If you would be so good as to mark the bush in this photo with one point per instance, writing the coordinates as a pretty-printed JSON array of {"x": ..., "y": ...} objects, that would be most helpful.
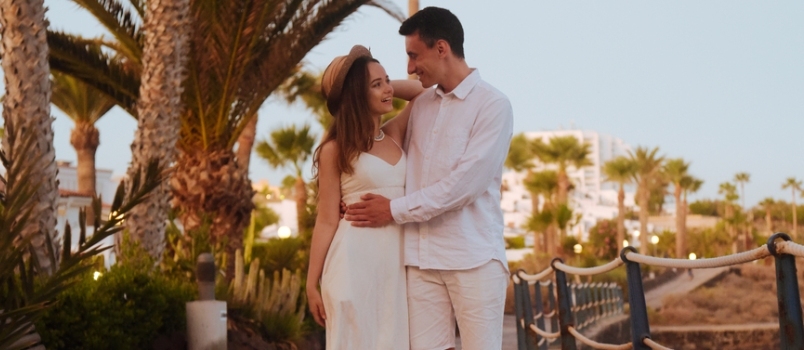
[
  {"x": 278, "y": 254},
  {"x": 126, "y": 308},
  {"x": 515, "y": 242},
  {"x": 603, "y": 240}
]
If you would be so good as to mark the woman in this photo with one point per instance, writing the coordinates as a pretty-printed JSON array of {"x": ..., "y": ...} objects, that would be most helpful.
[{"x": 362, "y": 302}]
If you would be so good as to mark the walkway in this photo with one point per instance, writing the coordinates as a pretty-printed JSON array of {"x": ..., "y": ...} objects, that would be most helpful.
[{"x": 682, "y": 284}]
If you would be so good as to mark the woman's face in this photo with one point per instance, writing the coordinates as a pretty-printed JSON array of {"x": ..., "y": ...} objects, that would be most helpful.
[{"x": 380, "y": 91}]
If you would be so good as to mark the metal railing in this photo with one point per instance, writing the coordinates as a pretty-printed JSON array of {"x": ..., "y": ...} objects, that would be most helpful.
[{"x": 580, "y": 305}]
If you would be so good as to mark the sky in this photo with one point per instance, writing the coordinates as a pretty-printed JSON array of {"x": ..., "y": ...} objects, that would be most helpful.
[{"x": 718, "y": 83}]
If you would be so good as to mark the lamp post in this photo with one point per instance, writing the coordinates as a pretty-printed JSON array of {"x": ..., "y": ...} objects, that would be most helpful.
[
  {"x": 654, "y": 240},
  {"x": 577, "y": 248},
  {"x": 283, "y": 232}
]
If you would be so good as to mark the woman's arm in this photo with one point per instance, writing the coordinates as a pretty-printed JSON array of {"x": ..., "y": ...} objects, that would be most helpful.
[
  {"x": 398, "y": 126},
  {"x": 407, "y": 89},
  {"x": 326, "y": 223}
]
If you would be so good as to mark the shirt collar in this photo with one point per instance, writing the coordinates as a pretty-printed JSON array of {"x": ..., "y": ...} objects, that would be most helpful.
[{"x": 463, "y": 89}]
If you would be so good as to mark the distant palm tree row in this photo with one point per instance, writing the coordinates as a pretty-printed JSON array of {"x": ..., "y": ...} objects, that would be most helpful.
[{"x": 545, "y": 166}]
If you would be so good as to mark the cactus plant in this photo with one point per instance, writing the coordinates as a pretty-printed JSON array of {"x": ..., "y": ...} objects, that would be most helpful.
[{"x": 276, "y": 303}]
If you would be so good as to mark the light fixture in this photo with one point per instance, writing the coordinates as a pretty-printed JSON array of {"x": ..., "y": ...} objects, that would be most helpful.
[
  {"x": 654, "y": 239},
  {"x": 625, "y": 243},
  {"x": 693, "y": 256},
  {"x": 283, "y": 232},
  {"x": 577, "y": 248}
]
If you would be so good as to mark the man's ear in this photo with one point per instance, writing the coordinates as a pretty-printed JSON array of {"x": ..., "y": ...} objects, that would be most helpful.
[{"x": 443, "y": 48}]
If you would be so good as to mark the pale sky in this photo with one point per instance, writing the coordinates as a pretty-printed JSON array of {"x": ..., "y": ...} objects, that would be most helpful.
[{"x": 718, "y": 83}]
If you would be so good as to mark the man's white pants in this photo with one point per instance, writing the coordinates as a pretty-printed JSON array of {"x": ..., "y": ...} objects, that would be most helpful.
[{"x": 474, "y": 297}]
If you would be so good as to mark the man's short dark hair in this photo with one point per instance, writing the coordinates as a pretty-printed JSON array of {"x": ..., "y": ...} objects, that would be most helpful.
[{"x": 433, "y": 24}]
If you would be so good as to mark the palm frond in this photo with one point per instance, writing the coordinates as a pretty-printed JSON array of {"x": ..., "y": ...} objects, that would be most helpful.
[
  {"x": 121, "y": 23},
  {"x": 79, "y": 101},
  {"x": 241, "y": 52},
  {"x": 390, "y": 8},
  {"x": 85, "y": 61}
]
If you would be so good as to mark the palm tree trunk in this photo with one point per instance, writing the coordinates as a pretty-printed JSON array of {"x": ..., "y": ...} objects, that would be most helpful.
[
  {"x": 245, "y": 143},
  {"x": 210, "y": 187},
  {"x": 537, "y": 239},
  {"x": 681, "y": 227},
  {"x": 730, "y": 228},
  {"x": 26, "y": 112},
  {"x": 644, "y": 199},
  {"x": 85, "y": 138},
  {"x": 300, "y": 190},
  {"x": 563, "y": 187},
  {"x": 620, "y": 216},
  {"x": 550, "y": 240},
  {"x": 165, "y": 50},
  {"x": 795, "y": 219}
]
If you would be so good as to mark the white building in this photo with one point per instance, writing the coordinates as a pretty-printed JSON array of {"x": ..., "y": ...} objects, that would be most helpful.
[
  {"x": 593, "y": 198},
  {"x": 71, "y": 201}
]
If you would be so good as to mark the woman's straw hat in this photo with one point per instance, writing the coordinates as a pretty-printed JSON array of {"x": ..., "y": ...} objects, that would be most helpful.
[{"x": 335, "y": 74}]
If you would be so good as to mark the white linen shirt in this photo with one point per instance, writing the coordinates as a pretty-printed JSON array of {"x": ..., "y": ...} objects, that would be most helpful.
[{"x": 456, "y": 145}]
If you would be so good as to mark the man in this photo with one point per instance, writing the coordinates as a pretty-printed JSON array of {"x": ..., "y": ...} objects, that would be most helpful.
[{"x": 458, "y": 138}]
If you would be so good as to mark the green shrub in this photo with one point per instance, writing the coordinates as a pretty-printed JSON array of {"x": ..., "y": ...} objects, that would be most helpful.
[
  {"x": 126, "y": 308},
  {"x": 515, "y": 242},
  {"x": 278, "y": 254}
]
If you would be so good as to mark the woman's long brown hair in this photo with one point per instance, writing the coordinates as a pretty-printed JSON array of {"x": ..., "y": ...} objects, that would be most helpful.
[{"x": 352, "y": 127}]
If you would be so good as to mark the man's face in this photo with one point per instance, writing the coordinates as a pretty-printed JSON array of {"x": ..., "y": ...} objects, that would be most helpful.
[{"x": 422, "y": 61}]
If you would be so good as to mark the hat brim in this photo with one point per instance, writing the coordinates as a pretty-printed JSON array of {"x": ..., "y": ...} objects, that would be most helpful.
[{"x": 335, "y": 75}]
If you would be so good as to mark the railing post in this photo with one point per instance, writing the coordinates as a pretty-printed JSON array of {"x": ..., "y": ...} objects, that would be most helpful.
[
  {"x": 530, "y": 343},
  {"x": 540, "y": 311},
  {"x": 564, "y": 308},
  {"x": 791, "y": 327},
  {"x": 640, "y": 328},
  {"x": 519, "y": 311},
  {"x": 551, "y": 299}
]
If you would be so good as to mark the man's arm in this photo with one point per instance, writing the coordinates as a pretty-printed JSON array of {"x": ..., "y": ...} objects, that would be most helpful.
[{"x": 487, "y": 147}]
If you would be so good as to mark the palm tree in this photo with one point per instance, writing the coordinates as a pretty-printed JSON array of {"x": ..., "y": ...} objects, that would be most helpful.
[
  {"x": 84, "y": 105},
  {"x": 729, "y": 192},
  {"x": 620, "y": 170},
  {"x": 741, "y": 179},
  {"x": 26, "y": 114},
  {"x": 767, "y": 205},
  {"x": 240, "y": 51},
  {"x": 564, "y": 152},
  {"x": 675, "y": 171},
  {"x": 794, "y": 186},
  {"x": 159, "y": 107},
  {"x": 520, "y": 159},
  {"x": 544, "y": 184},
  {"x": 648, "y": 165},
  {"x": 291, "y": 147}
]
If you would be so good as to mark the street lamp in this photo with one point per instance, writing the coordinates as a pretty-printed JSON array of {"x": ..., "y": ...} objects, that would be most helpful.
[
  {"x": 578, "y": 248},
  {"x": 655, "y": 240},
  {"x": 283, "y": 232},
  {"x": 693, "y": 256},
  {"x": 625, "y": 243}
]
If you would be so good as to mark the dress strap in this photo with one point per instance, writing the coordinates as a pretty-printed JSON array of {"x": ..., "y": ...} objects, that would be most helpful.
[{"x": 397, "y": 145}]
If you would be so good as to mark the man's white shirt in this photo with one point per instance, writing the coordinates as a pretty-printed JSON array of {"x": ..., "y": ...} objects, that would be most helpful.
[{"x": 456, "y": 145}]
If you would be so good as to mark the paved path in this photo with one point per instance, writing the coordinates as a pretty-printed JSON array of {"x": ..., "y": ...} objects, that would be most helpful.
[{"x": 682, "y": 284}]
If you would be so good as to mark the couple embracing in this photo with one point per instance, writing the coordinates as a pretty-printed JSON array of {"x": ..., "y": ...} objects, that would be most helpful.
[{"x": 420, "y": 245}]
